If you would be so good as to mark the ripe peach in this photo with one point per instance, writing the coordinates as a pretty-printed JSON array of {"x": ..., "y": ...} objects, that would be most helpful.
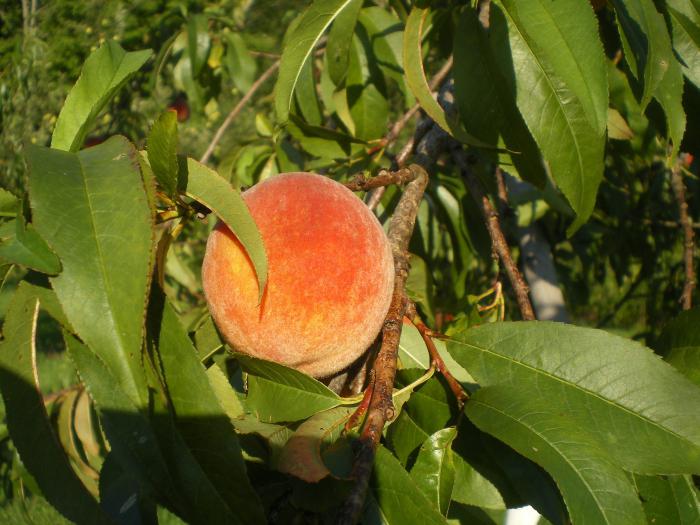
[{"x": 330, "y": 280}]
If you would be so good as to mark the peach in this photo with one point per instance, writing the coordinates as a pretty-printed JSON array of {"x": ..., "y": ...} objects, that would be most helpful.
[{"x": 330, "y": 280}]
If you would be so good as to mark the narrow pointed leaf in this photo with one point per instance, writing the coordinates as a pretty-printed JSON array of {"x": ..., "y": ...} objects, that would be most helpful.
[
  {"x": 217, "y": 194},
  {"x": 369, "y": 108},
  {"x": 434, "y": 469},
  {"x": 105, "y": 71},
  {"x": 241, "y": 65},
  {"x": 278, "y": 393},
  {"x": 162, "y": 151},
  {"x": 669, "y": 500},
  {"x": 595, "y": 489},
  {"x": 27, "y": 420},
  {"x": 398, "y": 497},
  {"x": 204, "y": 425},
  {"x": 561, "y": 92},
  {"x": 298, "y": 46},
  {"x": 21, "y": 244},
  {"x": 685, "y": 25},
  {"x": 418, "y": 83},
  {"x": 94, "y": 210},
  {"x": 485, "y": 94},
  {"x": 680, "y": 344},
  {"x": 646, "y": 43},
  {"x": 636, "y": 408},
  {"x": 198, "y": 42},
  {"x": 669, "y": 93},
  {"x": 130, "y": 435},
  {"x": 340, "y": 40}
]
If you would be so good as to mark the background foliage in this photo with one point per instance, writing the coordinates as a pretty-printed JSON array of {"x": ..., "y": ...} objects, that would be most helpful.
[{"x": 354, "y": 69}]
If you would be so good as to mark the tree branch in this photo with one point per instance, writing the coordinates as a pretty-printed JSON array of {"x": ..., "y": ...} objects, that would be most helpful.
[
  {"x": 498, "y": 240},
  {"x": 236, "y": 110},
  {"x": 381, "y": 407},
  {"x": 383, "y": 178},
  {"x": 688, "y": 234}
]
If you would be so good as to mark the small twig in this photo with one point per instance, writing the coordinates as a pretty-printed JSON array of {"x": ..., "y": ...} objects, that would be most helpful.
[
  {"x": 381, "y": 407},
  {"x": 493, "y": 225},
  {"x": 498, "y": 240},
  {"x": 688, "y": 234},
  {"x": 383, "y": 178},
  {"x": 236, "y": 110},
  {"x": 457, "y": 390},
  {"x": 671, "y": 224}
]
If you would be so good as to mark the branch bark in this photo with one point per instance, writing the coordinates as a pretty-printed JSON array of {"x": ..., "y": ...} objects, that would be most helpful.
[
  {"x": 381, "y": 407},
  {"x": 498, "y": 240},
  {"x": 688, "y": 234}
]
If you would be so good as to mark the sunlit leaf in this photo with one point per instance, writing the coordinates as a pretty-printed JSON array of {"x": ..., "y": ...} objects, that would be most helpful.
[
  {"x": 561, "y": 92},
  {"x": 298, "y": 46},
  {"x": 595, "y": 489},
  {"x": 104, "y": 73},
  {"x": 217, "y": 194},
  {"x": 162, "y": 151},
  {"x": 434, "y": 469},
  {"x": 278, "y": 393},
  {"x": 418, "y": 83},
  {"x": 79, "y": 202},
  {"x": 646, "y": 43},
  {"x": 636, "y": 409}
]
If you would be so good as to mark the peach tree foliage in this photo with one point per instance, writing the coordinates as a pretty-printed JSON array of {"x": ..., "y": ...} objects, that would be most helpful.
[{"x": 163, "y": 423}]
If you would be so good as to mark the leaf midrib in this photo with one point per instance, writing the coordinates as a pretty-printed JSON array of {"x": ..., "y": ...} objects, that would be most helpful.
[
  {"x": 561, "y": 108},
  {"x": 583, "y": 390},
  {"x": 552, "y": 446}
]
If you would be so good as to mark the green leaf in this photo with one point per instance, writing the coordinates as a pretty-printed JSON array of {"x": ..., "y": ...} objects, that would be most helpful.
[
  {"x": 472, "y": 488},
  {"x": 595, "y": 489},
  {"x": 241, "y": 65},
  {"x": 9, "y": 203},
  {"x": 385, "y": 32},
  {"x": 27, "y": 419},
  {"x": 340, "y": 40},
  {"x": 201, "y": 420},
  {"x": 131, "y": 437},
  {"x": 415, "y": 77},
  {"x": 561, "y": 92},
  {"x": 645, "y": 42},
  {"x": 105, "y": 71},
  {"x": 162, "y": 151},
  {"x": 637, "y": 409},
  {"x": 398, "y": 497},
  {"x": 21, "y": 244},
  {"x": 669, "y": 93},
  {"x": 369, "y": 108},
  {"x": 298, "y": 46},
  {"x": 198, "y": 42},
  {"x": 34, "y": 510},
  {"x": 94, "y": 209},
  {"x": 278, "y": 393},
  {"x": 669, "y": 500},
  {"x": 412, "y": 350},
  {"x": 685, "y": 32},
  {"x": 434, "y": 469},
  {"x": 217, "y": 194},
  {"x": 301, "y": 455},
  {"x": 618, "y": 128},
  {"x": 305, "y": 94},
  {"x": 680, "y": 344},
  {"x": 485, "y": 91}
]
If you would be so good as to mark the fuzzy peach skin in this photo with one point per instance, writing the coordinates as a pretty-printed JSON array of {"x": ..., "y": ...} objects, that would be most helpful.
[{"x": 330, "y": 280}]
